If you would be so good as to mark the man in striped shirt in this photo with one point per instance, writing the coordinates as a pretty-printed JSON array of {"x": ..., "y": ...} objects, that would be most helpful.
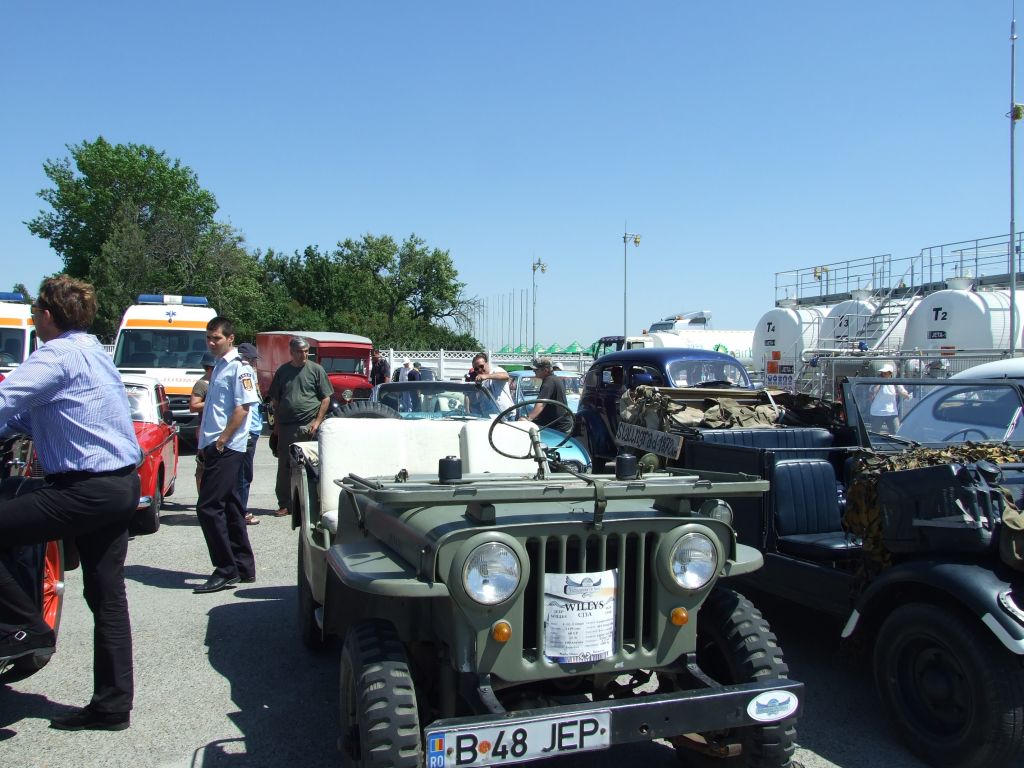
[{"x": 70, "y": 398}]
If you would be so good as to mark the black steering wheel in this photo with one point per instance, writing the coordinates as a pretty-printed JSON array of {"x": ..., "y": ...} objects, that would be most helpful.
[
  {"x": 499, "y": 419},
  {"x": 965, "y": 432}
]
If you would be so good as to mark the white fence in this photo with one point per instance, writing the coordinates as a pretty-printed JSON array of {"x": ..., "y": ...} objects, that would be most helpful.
[{"x": 454, "y": 364}]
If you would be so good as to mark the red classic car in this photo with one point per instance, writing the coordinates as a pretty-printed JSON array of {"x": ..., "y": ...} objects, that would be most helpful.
[{"x": 158, "y": 438}]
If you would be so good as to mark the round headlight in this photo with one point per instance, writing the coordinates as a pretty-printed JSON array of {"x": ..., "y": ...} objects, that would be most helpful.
[
  {"x": 491, "y": 573},
  {"x": 716, "y": 509},
  {"x": 347, "y": 394},
  {"x": 694, "y": 561}
]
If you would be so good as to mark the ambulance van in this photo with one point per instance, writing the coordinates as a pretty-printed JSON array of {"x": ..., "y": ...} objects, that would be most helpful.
[
  {"x": 164, "y": 336},
  {"x": 17, "y": 332}
]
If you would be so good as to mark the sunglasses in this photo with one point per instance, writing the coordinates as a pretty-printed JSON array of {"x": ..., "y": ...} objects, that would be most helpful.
[{"x": 478, "y": 367}]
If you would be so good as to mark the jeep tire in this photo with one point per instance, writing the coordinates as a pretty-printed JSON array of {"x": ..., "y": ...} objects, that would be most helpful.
[
  {"x": 955, "y": 694},
  {"x": 379, "y": 721},
  {"x": 309, "y": 630},
  {"x": 736, "y": 645}
]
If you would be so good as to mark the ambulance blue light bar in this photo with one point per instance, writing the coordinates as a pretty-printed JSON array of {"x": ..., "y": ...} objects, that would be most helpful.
[
  {"x": 167, "y": 298},
  {"x": 11, "y": 296}
]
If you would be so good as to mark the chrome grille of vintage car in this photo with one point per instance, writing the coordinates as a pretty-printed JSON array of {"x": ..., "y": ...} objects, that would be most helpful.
[{"x": 630, "y": 553}]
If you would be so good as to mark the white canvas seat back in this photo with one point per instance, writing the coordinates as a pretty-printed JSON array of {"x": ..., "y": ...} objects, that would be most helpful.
[{"x": 479, "y": 456}]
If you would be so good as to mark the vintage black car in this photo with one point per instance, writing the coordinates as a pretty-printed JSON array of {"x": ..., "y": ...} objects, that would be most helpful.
[
  {"x": 897, "y": 522},
  {"x": 597, "y": 418}
]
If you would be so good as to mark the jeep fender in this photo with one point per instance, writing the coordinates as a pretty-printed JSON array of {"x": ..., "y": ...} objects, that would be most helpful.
[{"x": 982, "y": 591}]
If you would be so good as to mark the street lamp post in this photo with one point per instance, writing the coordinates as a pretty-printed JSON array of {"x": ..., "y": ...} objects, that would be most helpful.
[
  {"x": 538, "y": 264},
  {"x": 626, "y": 237}
]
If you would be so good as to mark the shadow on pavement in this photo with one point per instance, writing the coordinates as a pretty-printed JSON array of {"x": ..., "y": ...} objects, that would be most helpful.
[
  {"x": 286, "y": 696},
  {"x": 16, "y": 706},
  {"x": 811, "y": 645},
  {"x": 160, "y": 577}
]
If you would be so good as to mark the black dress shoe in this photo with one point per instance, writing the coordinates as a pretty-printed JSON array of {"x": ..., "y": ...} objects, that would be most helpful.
[
  {"x": 86, "y": 719},
  {"x": 215, "y": 584},
  {"x": 14, "y": 645}
]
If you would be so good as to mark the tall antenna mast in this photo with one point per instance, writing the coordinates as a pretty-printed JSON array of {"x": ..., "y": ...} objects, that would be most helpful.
[{"x": 1014, "y": 116}]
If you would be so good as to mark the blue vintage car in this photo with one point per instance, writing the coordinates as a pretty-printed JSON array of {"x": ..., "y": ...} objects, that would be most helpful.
[
  {"x": 525, "y": 385},
  {"x": 598, "y": 417},
  {"x": 462, "y": 400}
]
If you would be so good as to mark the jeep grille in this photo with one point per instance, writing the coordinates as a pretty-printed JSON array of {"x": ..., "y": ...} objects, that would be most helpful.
[{"x": 631, "y": 553}]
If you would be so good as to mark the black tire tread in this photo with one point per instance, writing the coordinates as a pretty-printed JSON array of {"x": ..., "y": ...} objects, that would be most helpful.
[
  {"x": 309, "y": 630},
  {"x": 389, "y": 729},
  {"x": 999, "y": 739},
  {"x": 752, "y": 651}
]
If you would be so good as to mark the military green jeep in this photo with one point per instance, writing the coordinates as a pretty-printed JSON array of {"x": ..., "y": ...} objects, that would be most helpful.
[{"x": 493, "y": 612}]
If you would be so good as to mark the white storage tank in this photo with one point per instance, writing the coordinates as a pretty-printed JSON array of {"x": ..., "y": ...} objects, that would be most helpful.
[
  {"x": 781, "y": 336},
  {"x": 847, "y": 320},
  {"x": 959, "y": 318}
]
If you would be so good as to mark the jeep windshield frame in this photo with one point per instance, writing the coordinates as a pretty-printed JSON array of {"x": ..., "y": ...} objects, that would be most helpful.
[{"x": 893, "y": 414}]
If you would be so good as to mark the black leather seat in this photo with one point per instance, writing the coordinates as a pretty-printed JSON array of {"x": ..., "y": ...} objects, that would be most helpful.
[
  {"x": 807, "y": 516},
  {"x": 775, "y": 438}
]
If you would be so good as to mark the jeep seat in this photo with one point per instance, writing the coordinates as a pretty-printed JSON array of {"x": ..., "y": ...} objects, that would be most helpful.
[
  {"x": 383, "y": 447},
  {"x": 807, "y": 518},
  {"x": 775, "y": 438}
]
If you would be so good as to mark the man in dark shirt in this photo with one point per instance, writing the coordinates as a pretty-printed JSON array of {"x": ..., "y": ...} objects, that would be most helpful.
[
  {"x": 551, "y": 388},
  {"x": 380, "y": 370},
  {"x": 300, "y": 394}
]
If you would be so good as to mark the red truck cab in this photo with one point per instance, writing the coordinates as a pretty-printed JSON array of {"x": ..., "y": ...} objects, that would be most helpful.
[{"x": 345, "y": 357}]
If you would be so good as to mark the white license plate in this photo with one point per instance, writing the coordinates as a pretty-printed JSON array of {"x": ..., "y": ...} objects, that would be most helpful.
[{"x": 516, "y": 741}]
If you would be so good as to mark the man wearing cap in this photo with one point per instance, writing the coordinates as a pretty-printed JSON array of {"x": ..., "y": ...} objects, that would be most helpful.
[
  {"x": 403, "y": 372},
  {"x": 300, "y": 395},
  {"x": 249, "y": 355},
  {"x": 195, "y": 405},
  {"x": 222, "y": 439},
  {"x": 551, "y": 388},
  {"x": 885, "y": 407}
]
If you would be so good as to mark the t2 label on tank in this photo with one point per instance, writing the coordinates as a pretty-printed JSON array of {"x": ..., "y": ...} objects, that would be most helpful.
[{"x": 517, "y": 741}]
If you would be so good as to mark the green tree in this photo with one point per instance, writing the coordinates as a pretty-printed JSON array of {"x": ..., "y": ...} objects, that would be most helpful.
[
  {"x": 101, "y": 185},
  {"x": 20, "y": 288}
]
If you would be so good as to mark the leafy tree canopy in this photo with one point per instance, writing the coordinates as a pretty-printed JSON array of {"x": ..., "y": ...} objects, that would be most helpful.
[{"x": 101, "y": 185}]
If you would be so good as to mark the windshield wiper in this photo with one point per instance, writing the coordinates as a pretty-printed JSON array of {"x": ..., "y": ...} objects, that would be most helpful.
[
  {"x": 895, "y": 439},
  {"x": 1013, "y": 424}
]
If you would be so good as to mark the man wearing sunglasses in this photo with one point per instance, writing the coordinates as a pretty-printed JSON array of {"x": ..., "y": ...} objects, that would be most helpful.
[{"x": 70, "y": 398}]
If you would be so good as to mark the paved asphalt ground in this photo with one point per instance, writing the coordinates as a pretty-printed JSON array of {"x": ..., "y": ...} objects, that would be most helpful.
[{"x": 223, "y": 681}]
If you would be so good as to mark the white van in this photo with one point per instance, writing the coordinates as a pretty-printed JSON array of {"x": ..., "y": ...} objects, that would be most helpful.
[
  {"x": 17, "y": 331},
  {"x": 164, "y": 336}
]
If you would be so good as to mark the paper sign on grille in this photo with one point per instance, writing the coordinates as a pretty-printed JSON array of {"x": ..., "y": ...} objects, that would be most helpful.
[{"x": 579, "y": 616}]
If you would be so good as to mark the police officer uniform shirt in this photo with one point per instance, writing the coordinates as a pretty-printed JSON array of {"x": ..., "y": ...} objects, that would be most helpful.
[{"x": 232, "y": 384}]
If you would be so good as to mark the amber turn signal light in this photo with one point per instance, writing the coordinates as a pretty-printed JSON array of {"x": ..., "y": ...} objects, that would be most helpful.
[
  {"x": 679, "y": 616},
  {"x": 501, "y": 632}
]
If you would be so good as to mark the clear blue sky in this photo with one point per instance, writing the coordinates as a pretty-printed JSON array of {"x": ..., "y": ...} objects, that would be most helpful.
[{"x": 739, "y": 138}]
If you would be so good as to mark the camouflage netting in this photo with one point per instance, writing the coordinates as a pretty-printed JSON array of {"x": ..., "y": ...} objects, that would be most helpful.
[
  {"x": 648, "y": 407},
  {"x": 862, "y": 516}
]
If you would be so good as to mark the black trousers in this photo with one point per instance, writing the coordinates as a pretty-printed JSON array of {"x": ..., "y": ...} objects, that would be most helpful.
[
  {"x": 94, "y": 510},
  {"x": 221, "y": 515},
  {"x": 247, "y": 469}
]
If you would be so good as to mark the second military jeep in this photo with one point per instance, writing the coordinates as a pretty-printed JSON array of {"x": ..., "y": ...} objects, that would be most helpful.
[{"x": 493, "y": 612}]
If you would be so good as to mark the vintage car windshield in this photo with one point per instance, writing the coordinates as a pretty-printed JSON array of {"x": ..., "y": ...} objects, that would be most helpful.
[
  {"x": 141, "y": 403},
  {"x": 692, "y": 373},
  {"x": 897, "y": 412},
  {"x": 437, "y": 400},
  {"x": 342, "y": 364}
]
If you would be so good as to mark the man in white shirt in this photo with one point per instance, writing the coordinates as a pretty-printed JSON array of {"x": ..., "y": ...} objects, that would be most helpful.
[{"x": 494, "y": 379}]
